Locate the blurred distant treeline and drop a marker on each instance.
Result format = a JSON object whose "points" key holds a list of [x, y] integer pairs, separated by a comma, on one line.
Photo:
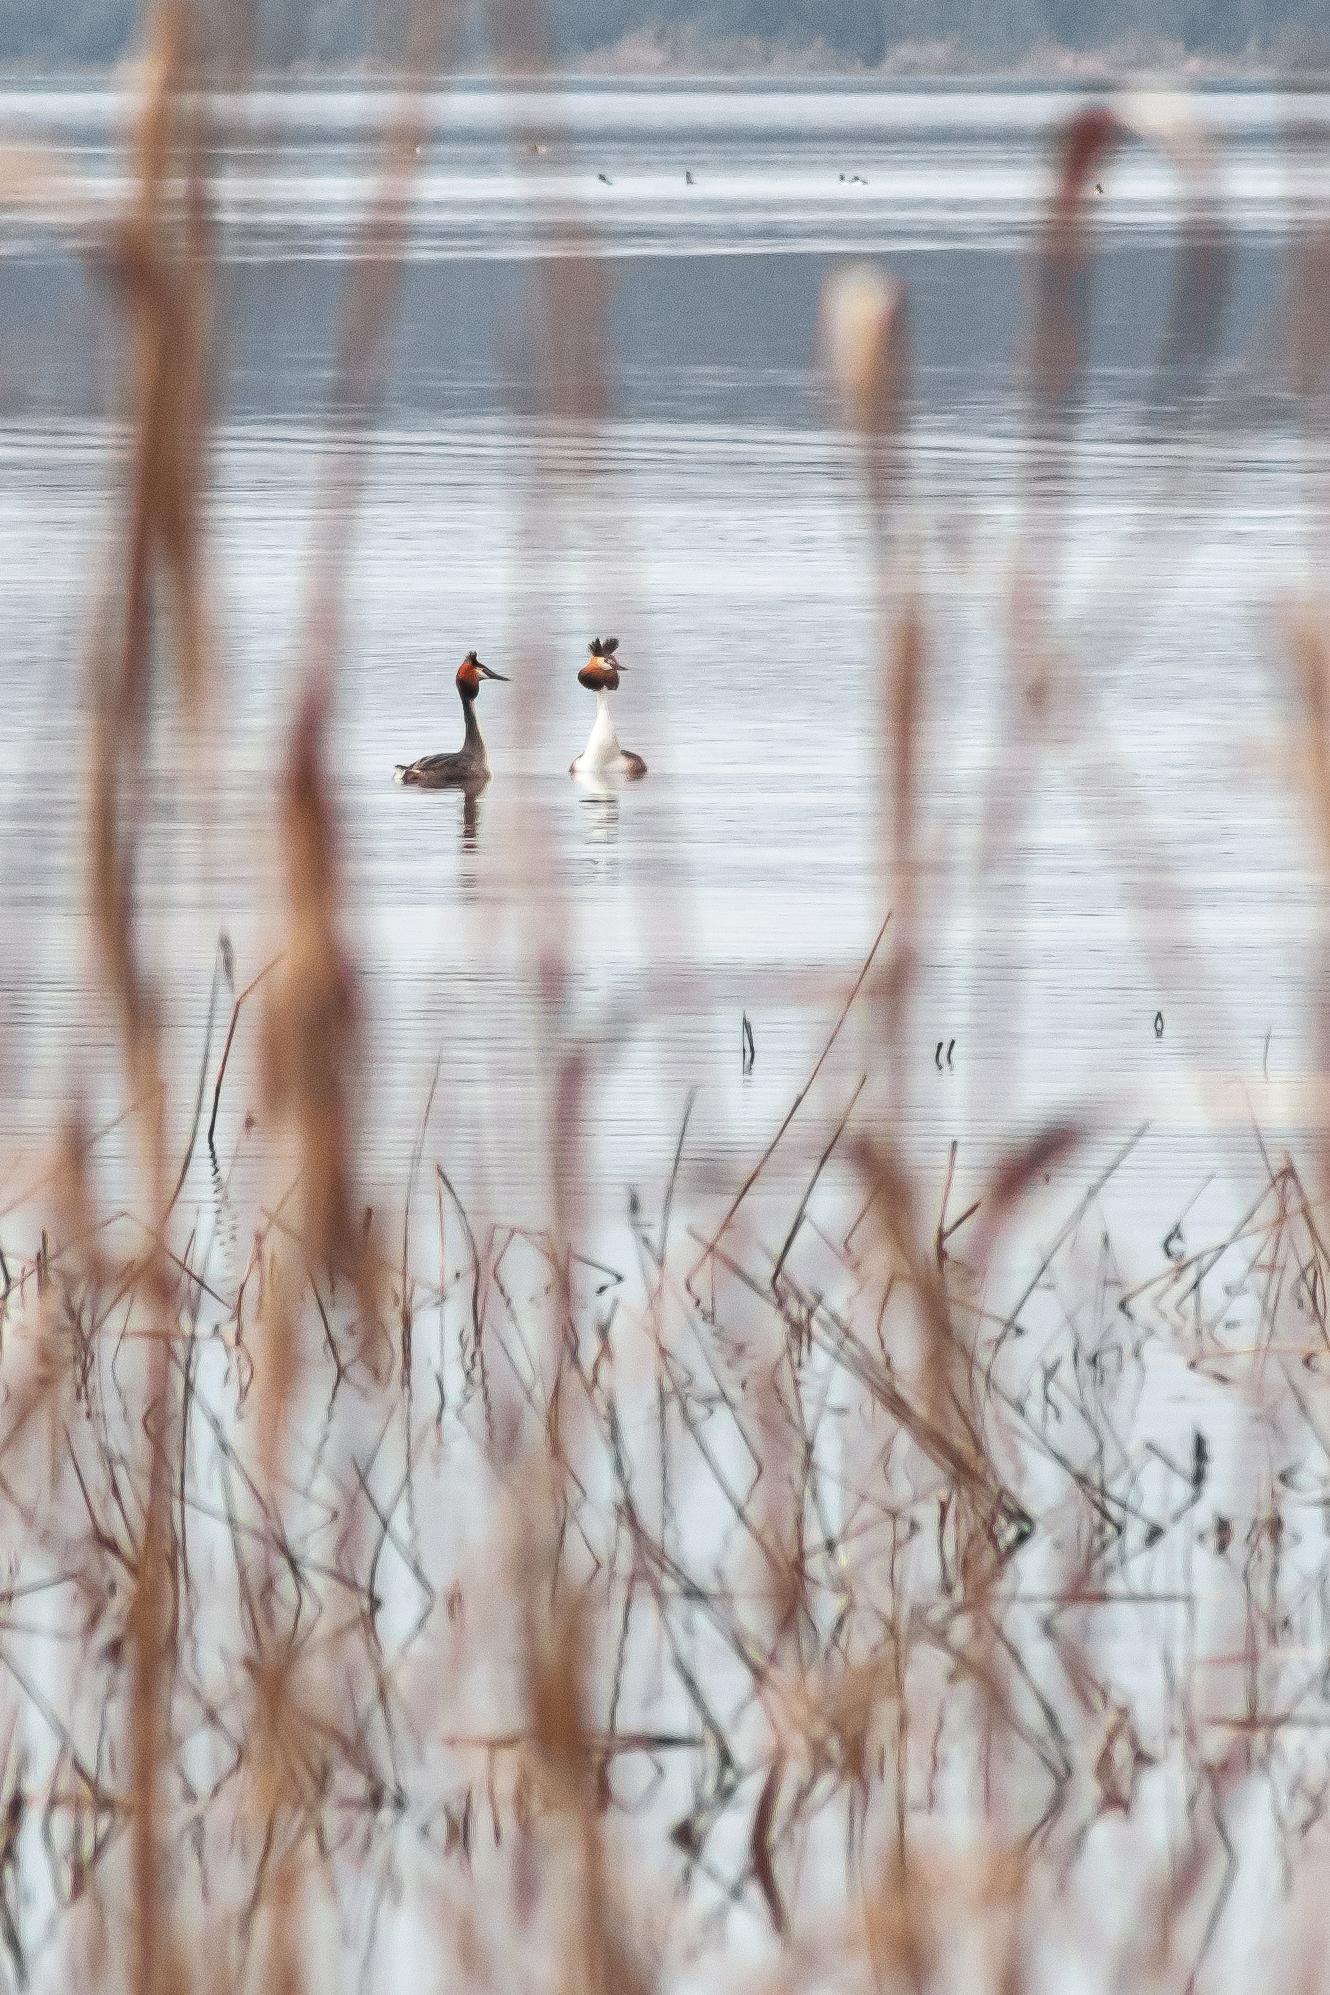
{"points": [[333, 34]]}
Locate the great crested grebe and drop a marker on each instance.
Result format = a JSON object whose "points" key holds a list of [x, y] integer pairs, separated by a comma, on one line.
{"points": [[469, 768], [602, 755]]}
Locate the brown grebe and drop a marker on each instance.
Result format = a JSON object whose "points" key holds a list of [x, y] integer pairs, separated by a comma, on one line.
{"points": [[602, 755], [469, 768]]}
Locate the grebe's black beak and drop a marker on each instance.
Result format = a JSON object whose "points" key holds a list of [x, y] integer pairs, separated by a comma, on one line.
{"points": [[491, 675]]}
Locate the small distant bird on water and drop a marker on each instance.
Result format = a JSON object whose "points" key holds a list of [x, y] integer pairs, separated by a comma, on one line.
{"points": [[688, 177], [469, 768], [605, 180], [602, 755]]}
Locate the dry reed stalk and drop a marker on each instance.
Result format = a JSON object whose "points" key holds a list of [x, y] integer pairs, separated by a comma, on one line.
{"points": [[158, 262], [595, 1952], [310, 1056], [1308, 649], [571, 365], [865, 338], [310, 1016], [312, 1047], [1306, 639]]}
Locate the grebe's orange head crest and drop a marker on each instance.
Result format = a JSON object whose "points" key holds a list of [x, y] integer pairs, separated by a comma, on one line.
{"points": [[600, 674], [470, 673]]}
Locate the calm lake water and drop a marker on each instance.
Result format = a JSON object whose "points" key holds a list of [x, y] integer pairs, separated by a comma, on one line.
{"points": [[713, 519], [1121, 925]]}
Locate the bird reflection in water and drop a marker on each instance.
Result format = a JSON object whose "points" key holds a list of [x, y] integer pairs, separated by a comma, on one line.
{"points": [[470, 886], [600, 799], [471, 816]]}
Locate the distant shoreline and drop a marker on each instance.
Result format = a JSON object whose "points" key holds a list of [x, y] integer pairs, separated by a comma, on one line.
{"points": [[944, 61], [645, 59]]}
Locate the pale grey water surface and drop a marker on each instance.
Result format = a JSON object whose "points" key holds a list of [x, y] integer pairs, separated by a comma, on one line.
{"points": [[712, 518], [1160, 866]]}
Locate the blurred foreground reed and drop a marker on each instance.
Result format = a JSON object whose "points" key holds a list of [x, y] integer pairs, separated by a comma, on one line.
{"points": [[782, 1606]]}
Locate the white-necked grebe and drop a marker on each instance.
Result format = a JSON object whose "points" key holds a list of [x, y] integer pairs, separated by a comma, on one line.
{"points": [[469, 768], [602, 755]]}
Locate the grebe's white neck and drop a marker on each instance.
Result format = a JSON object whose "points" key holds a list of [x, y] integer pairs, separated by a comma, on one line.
{"points": [[602, 750]]}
